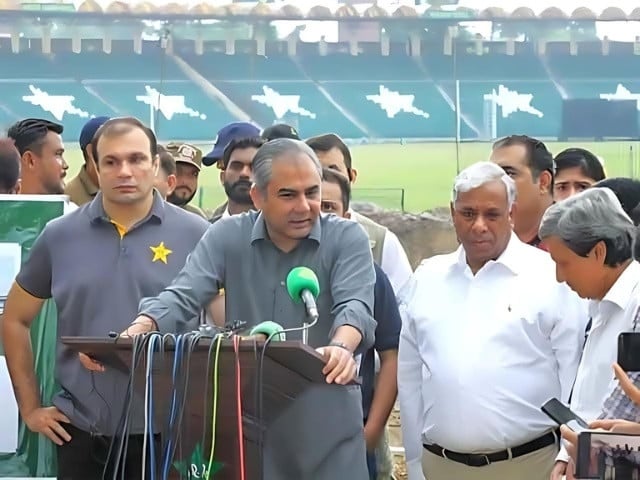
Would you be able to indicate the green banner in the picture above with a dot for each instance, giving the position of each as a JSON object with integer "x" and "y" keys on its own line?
{"x": 22, "y": 219}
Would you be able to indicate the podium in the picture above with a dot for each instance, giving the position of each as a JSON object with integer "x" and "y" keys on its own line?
{"x": 293, "y": 424}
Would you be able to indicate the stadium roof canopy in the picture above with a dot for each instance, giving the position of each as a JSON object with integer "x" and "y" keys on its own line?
{"x": 323, "y": 10}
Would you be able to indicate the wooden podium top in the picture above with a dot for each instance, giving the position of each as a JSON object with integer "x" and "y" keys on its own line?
{"x": 292, "y": 355}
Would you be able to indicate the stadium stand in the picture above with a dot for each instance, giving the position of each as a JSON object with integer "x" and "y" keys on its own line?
{"x": 367, "y": 96}
{"x": 370, "y": 97}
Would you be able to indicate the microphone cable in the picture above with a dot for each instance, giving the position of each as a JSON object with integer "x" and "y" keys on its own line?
{"x": 184, "y": 347}
{"x": 236, "y": 350}
{"x": 192, "y": 340}
{"x": 141, "y": 341}
{"x": 118, "y": 441}
{"x": 177, "y": 359}
{"x": 214, "y": 410}
{"x": 155, "y": 338}
{"x": 206, "y": 402}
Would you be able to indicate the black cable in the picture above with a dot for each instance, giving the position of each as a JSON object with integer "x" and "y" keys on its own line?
{"x": 124, "y": 445}
{"x": 194, "y": 339}
{"x": 123, "y": 427}
{"x": 94, "y": 389}
{"x": 186, "y": 345}
{"x": 142, "y": 341}
{"x": 206, "y": 391}
{"x": 115, "y": 437}
{"x": 181, "y": 388}
{"x": 120, "y": 434}
{"x": 177, "y": 354}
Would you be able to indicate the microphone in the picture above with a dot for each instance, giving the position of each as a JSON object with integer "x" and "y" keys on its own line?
{"x": 303, "y": 287}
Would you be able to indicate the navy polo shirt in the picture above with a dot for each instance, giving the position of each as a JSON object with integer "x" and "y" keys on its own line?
{"x": 387, "y": 336}
{"x": 97, "y": 273}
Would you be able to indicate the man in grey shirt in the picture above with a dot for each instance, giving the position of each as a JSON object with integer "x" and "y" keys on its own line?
{"x": 251, "y": 254}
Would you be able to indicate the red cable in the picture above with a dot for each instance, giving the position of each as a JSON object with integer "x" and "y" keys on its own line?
{"x": 236, "y": 344}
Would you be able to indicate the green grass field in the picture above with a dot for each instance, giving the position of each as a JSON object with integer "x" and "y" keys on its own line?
{"x": 425, "y": 171}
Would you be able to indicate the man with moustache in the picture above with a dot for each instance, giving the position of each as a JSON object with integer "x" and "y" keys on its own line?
{"x": 188, "y": 164}
{"x": 530, "y": 164}
{"x": 477, "y": 350}
{"x": 228, "y": 133}
{"x": 236, "y": 175}
{"x": 41, "y": 156}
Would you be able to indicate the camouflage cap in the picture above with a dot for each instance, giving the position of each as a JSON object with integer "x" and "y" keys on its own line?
{"x": 185, "y": 153}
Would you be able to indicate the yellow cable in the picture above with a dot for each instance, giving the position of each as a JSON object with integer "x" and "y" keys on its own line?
{"x": 215, "y": 406}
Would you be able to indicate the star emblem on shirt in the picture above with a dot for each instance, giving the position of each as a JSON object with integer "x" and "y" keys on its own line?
{"x": 160, "y": 253}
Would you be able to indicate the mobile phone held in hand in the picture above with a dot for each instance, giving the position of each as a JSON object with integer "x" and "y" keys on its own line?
{"x": 629, "y": 351}
{"x": 562, "y": 415}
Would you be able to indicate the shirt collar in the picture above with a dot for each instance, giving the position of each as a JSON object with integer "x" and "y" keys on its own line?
{"x": 259, "y": 230}
{"x": 96, "y": 211}
{"x": 226, "y": 213}
{"x": 86, "y": 182}
{"x": 621, "y": 291}
{"x": 512, "y": 257}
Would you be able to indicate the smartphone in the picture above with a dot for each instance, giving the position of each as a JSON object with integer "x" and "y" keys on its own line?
{"x": 562, "y": 415}
{"x": 629, "y": 351}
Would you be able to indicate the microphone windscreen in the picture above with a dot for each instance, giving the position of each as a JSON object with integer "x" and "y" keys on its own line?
{"x": 302, "y": 278}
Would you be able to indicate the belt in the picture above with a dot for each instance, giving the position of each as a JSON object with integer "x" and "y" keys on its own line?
{"x": 482, "y": 460}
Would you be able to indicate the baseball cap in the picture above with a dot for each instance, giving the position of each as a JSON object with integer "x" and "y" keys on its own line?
{"x": 89, "y": 130}
{"x": 280, "y": 130}
{"x": 232, "y": 131}
{"x": 185, "y": 153}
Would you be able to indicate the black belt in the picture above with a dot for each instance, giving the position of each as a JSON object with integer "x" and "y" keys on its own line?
{"x": 482, "y": 460}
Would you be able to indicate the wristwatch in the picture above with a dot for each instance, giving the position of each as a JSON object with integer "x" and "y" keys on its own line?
{"x": 341, "y": 345}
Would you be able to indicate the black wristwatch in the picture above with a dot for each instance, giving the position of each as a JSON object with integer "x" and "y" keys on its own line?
{"x": 341, "y": 345}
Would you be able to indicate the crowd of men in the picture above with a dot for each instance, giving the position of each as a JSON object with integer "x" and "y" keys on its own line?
{"x": 473, "y": 343}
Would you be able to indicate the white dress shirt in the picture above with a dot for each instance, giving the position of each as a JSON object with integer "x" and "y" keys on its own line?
{"x": 611, "y": 316}
{"x": 395, "y": 262}
{"x": 479, "y": 355}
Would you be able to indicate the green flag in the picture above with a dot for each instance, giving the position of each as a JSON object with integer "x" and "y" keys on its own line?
{"x": 22, "y": 219}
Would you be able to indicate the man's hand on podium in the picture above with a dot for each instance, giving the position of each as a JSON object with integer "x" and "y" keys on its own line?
{"x": 139, "y": 326}
{"x": 47, "y": 421}
{"x": 340, "y": 365}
